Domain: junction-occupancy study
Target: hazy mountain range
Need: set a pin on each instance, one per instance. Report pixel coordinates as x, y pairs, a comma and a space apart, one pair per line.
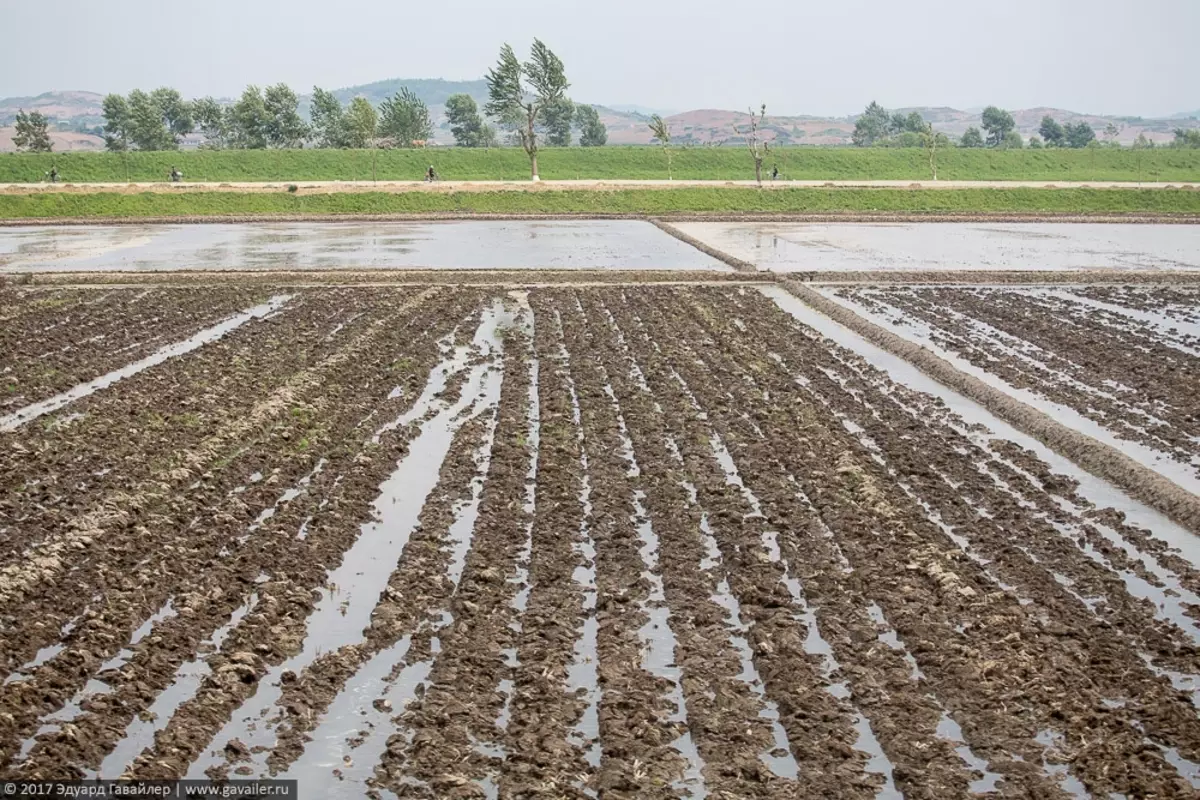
72, 111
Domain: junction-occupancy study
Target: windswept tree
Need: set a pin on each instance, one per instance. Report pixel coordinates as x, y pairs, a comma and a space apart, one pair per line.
362, 122
518, 92
466, 125
31, 135
556, 118
404, 119
997, 122
211, 119
1052, 132
754, 141
662, 132
592, 132
148, 123
285, 128
116, 122
328, 119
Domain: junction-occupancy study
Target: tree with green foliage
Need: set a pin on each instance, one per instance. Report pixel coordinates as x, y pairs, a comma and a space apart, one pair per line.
248, 120
873, 125
176, 112
404, 119
1078, 134
285, 128
519, 91
31, 135
1142, 143
971, 138
329, 127
1012, 141
1052, 132
148, 127
662, 132
1035, 142
1187, 138
556, 119
592, 132
997, 122
116, 122
466, 125
1111, 132
362, 121
210, 118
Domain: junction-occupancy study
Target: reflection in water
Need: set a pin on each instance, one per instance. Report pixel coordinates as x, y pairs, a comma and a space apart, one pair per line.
466, 244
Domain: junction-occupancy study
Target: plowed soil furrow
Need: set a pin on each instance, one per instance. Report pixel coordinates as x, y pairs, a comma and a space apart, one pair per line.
870, 485
268, 541
457, 739
1177, 302
640, 757
786, 691
219, 476
544, 712
149, 425
1116, 370
40, 357
902, 714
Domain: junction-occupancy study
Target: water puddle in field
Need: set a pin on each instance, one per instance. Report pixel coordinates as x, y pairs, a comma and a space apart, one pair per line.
1184, 475
188, 678
22, 416
344, 612
1059, 773
26, 670
122, 658
288, 496
981, 427
1171, 330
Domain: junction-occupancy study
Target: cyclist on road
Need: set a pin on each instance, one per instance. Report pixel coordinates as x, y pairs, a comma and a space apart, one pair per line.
430, 175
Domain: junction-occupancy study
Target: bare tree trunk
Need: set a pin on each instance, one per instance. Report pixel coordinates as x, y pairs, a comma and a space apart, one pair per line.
531, 146
758, 170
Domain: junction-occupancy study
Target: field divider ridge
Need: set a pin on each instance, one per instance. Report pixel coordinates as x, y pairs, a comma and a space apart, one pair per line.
1098, 458
708, 250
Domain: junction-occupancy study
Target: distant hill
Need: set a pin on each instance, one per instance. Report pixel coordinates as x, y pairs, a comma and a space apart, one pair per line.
73, 111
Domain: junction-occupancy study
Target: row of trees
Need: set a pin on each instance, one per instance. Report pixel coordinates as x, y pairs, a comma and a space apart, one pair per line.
259, 119
526, 100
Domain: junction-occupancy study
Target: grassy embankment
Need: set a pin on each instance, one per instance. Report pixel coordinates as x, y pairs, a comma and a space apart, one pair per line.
627, 201
708, 163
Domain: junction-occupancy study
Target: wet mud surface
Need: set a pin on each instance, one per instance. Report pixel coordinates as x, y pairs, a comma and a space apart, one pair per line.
580, 541
1126, 359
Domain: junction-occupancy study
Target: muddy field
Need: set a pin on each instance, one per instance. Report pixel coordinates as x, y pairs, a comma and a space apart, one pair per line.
605, 541
1117, 363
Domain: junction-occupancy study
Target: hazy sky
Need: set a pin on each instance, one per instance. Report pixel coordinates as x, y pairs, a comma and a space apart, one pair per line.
798, 56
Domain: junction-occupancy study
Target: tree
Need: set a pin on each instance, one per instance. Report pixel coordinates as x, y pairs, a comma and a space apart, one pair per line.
556, 118
931, 146
592, 132
1111, 132
1142, 143
361, 123
971, 138
210, 118
873, 125
662, 132
519, 91
1052, 132
997, 122
148, 128
248, 120
404, 119
176, 112
31, 135
465, 122
1078, 134
284, 127
1186, 138
1035, 142
1012, 141
758, 148
329, 126
116, 122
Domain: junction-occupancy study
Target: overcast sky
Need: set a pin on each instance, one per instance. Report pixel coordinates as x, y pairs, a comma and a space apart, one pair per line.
797, 56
